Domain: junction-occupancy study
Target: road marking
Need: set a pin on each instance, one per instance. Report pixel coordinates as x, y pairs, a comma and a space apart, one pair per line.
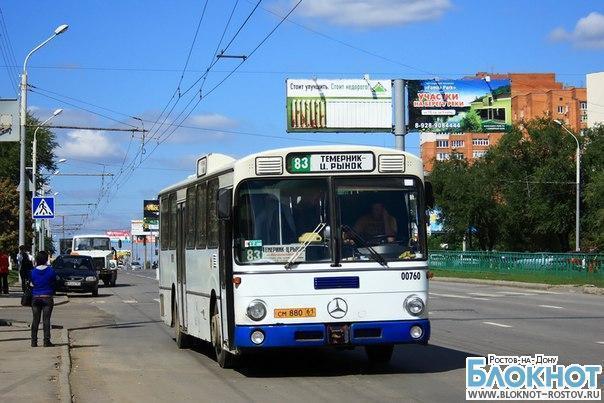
459, 296
129, 301
496, 324
98, 302
600, 342
156, 299
514, 293
480, 294
551, 306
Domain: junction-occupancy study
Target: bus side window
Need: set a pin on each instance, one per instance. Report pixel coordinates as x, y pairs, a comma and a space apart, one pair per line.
212, 213
172, 213
201, 216
191, 213
164, 220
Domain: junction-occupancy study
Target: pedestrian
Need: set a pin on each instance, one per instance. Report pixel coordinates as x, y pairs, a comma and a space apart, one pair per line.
43, 283
4, 264
25, 262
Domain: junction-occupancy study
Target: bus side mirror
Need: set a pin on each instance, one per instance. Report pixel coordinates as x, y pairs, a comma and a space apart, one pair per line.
225, 201
429, 195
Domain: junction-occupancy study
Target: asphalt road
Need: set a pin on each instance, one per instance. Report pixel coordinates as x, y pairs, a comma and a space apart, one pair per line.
122, 352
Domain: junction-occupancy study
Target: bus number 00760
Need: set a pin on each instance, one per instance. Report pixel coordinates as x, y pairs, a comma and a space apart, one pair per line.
411, 275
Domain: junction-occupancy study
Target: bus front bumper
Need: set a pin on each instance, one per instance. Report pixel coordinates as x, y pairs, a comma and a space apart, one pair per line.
334, 334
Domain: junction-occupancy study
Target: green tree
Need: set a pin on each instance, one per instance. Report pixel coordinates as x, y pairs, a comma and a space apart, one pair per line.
592, 178
9, 180
471, 122
521, 195
9, 152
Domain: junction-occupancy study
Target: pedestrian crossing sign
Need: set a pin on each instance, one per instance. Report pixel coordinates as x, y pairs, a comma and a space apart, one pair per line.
43, 207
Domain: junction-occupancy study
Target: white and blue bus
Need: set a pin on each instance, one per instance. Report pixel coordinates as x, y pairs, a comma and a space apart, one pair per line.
297, 247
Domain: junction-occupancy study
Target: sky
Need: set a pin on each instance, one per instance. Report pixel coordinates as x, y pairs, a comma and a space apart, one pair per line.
122, 63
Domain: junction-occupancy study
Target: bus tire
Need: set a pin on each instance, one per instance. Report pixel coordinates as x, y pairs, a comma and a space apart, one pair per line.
224, 358
180, 337
380, 354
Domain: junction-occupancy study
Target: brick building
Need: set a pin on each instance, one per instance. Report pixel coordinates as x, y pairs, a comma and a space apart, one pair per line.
533, 95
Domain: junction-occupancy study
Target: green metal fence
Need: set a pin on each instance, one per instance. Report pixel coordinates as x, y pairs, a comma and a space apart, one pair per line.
581, 268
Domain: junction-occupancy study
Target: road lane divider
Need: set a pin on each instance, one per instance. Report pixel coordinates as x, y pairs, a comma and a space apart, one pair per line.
551, 306
458, 296
130, 301
496, 324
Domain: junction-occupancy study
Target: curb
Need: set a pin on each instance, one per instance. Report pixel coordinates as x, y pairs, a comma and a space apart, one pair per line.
585, 289
62, 300
64, 385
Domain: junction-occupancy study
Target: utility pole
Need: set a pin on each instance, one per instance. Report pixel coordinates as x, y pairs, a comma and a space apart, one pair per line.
577, 187
23, 124
398, 98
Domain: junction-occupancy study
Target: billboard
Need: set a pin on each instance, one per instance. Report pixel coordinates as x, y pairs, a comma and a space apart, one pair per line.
136, 227
150, 215
9, 120
323, 105
118, 235
459, 106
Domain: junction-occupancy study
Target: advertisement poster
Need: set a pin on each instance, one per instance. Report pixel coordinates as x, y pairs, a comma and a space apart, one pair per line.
150, 215
9, 120
459, 106
339, 105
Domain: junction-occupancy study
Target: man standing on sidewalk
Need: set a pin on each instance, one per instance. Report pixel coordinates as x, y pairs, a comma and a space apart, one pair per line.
26, 264
3, 273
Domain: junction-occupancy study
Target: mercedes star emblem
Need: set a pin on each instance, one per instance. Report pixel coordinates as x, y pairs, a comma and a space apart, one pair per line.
337, 308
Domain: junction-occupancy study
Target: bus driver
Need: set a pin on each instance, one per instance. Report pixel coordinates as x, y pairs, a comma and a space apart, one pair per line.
377, 223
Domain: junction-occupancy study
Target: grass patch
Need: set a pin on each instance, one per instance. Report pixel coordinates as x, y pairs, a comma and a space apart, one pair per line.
596, 279
13, 277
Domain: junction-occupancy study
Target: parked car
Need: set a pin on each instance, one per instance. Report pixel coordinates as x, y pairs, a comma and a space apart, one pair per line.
136, 265
76, 274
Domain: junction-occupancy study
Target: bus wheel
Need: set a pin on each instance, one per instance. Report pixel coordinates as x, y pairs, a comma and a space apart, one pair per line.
223, 357
179, 336
380, 354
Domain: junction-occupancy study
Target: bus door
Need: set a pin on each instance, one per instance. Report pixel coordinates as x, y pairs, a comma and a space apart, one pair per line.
225, 263
181, 278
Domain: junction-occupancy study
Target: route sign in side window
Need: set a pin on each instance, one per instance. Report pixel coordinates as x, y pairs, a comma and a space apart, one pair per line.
201, 216
191, 213
212, 213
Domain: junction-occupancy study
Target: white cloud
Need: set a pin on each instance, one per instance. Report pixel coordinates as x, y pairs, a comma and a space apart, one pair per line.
588, 32
374, 13
89, 145
212, 120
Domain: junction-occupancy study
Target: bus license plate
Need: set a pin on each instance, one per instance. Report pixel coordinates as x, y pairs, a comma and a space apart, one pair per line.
295, 313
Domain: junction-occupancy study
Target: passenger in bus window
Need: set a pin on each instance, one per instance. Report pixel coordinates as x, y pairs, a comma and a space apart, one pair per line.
377, 223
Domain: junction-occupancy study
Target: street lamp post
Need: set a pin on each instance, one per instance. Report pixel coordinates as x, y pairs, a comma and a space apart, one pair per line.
578, 187
34, 159
23, 120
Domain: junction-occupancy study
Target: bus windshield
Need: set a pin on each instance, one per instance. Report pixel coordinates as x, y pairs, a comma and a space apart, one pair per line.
379, 215
276, 217
92, 244
379, 218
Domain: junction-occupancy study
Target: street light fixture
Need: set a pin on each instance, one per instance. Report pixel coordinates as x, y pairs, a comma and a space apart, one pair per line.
34, 159
578, 187
23, 122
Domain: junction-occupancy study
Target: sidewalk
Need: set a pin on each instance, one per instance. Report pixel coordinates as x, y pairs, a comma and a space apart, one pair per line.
26, 373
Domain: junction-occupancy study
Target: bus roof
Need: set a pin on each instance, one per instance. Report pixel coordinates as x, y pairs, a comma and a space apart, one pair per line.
91, 236
226, 163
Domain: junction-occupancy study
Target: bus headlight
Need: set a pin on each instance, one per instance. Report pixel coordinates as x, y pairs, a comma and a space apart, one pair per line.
256, 310
414, 305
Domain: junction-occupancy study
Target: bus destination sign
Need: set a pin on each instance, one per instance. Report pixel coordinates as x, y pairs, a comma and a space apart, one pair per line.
330, 162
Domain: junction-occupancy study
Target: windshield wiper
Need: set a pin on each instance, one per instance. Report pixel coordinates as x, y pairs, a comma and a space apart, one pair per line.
309, 239
357, 238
